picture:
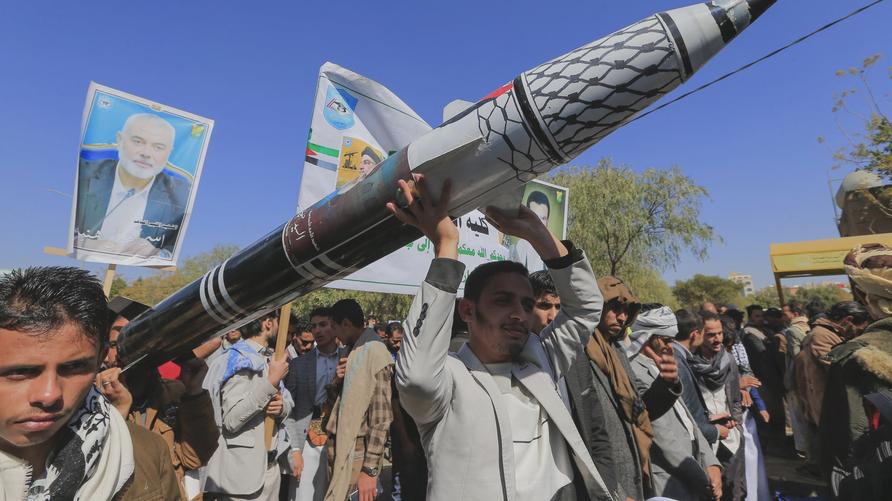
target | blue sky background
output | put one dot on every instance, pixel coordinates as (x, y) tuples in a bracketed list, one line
[(252, 68)]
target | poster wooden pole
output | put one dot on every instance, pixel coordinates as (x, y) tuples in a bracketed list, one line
[(109, 278), (281, 342)]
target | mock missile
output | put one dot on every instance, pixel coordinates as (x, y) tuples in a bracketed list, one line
[(543, 118)]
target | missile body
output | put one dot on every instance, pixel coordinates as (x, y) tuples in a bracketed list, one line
[(543, 118)]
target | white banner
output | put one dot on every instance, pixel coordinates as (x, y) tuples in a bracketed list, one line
[(356, 124)]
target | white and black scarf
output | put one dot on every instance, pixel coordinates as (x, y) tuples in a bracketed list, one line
[(96, 458)]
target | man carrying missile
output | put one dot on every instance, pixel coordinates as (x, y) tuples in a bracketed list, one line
[(492, 422)]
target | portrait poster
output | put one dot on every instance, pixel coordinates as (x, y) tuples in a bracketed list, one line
[(550, 202), (138, 171)]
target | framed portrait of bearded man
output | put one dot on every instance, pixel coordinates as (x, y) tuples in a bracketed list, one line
[(138, 169)]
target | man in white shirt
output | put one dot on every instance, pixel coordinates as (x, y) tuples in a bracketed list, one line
[(133, 205), (491, 420)]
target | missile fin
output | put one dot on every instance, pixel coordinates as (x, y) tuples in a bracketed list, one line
[(454, 108)]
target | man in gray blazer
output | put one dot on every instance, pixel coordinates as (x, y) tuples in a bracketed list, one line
[(491, 420), (307, 378), (246, 387), (683, 466)]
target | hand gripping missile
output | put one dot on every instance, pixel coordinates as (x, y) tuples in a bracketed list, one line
[(543, 118)]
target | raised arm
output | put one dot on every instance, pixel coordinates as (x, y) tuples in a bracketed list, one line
[(422, 378)]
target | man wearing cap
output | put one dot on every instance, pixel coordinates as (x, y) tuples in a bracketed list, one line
[(683, 464), (616, 388), (179, 410), (862, 365)]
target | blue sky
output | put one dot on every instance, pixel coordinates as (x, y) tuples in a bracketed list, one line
[(252, 67)]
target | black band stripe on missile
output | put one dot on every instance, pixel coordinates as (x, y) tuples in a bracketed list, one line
[(680, 45), (546, 141), (726, 25), (757, 61)]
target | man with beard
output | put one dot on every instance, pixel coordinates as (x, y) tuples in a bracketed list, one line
[(862, 365), (491, 418), (135, 204), (246, 387), (684, 466), (59, 438), (307, 381), (762, 351), (719, 382), (617, 389)]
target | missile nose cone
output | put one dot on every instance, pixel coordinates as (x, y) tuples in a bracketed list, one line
[(702, 30)]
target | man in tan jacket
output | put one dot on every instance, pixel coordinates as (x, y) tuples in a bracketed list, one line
[(845, 320)]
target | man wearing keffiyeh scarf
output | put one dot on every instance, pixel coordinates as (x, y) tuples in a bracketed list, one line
[(860, 366), (59, 438)]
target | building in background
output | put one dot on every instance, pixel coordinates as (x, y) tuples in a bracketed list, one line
[(745, 280)]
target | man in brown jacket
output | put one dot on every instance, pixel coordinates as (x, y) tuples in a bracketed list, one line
[(59, 438), (845, 320), (179, 410)]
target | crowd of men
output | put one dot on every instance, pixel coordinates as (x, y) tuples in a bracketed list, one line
[(552, 385)]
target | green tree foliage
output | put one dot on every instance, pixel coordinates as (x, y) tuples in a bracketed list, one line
[(152, 289), (118, 285), (699, 289), (766, 297), (826, 295), (872, 148), (384, 307), (626, 220)]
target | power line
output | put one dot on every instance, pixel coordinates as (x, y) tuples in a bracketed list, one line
[(757, 61)]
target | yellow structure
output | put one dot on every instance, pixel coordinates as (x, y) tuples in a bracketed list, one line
[(814, 258)]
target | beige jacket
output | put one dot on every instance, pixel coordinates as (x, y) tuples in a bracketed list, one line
[(811, 367)]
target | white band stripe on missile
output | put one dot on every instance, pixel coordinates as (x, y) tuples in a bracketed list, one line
[(204, 300), (522, 91), (225, 293), (327, 261), (315, 271), (215, 301)]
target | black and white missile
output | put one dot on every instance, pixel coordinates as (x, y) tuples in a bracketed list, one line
[(543, 118)]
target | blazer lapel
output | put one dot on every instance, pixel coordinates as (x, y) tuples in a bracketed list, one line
[(503, 423)]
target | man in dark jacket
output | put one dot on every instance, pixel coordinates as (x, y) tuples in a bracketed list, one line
[(585, 406), (860, 366), (687, 341)]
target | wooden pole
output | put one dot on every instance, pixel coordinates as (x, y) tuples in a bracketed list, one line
[(780, 290), (281, 342), (109, 278)]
